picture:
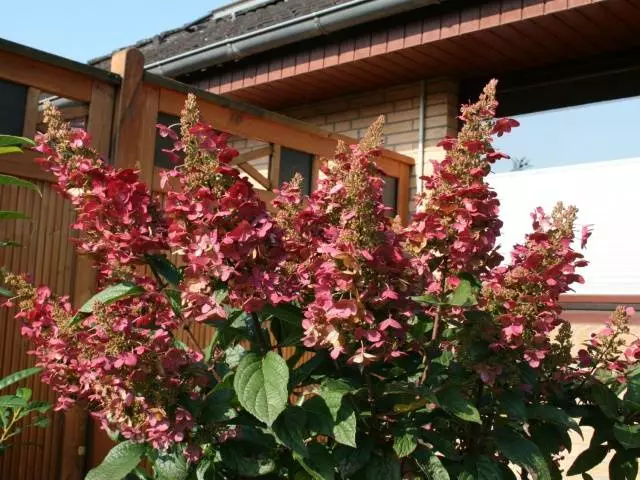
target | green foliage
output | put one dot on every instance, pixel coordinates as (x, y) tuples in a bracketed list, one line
[(108, 296), (120, 461), (261, 385), (18, 411), (13, 144)]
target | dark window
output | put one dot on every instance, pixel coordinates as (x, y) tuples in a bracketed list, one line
[(292, 162), (390, 193), (161, 159), (13, 98)]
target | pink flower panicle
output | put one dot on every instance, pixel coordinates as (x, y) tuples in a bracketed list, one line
[(221, 228), (351, 263), (524, 296), (117, 219), (121, 361), (456, 222), (611, 348)]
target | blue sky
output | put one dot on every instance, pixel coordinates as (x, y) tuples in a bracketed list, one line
[(589, 133), (82, 30)]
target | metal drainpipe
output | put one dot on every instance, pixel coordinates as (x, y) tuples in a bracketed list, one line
[(423, 100)]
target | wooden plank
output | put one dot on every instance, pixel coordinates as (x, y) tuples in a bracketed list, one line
[(31, 113), (70, 112), (274, 166), (100, 114), (22, 165), (252, 155), (315, 172), (402, 203), (136, 115), (48, 78), (252, 122), (256, 175)]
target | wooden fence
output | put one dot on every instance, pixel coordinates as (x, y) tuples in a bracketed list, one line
[(120, 110)]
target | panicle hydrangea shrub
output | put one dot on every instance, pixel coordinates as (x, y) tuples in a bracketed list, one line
[(339, 343)]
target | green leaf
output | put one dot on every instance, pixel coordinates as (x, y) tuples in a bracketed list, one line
[(164, 268), (41, 422), (428, 299), (119, 462), (175, 300), (15, 141), (452, 401), (18, 376), (350, 460), (301, 373), (319, 464), (18, 182), (319, 417), (171, 467), (623, 467), (290, 430), (286, 312), (8, 243), (5, 150), (463, 295), (13, 401), (405, 442), (513, 404), (246, 461), (10, 215), (588, 459), (551, 414), (385, 467), (111, 295), (522, 452), (487, 470), (633, 389), (344, 417), (430, 465), (261, 385), (217, 407), (606, 400), (203, 469), (627, 435), (25, 393), (446, 446), (286, 323)]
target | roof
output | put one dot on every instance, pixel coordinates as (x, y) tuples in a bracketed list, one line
[(220, 24)]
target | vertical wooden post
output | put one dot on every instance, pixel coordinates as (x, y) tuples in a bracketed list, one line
[(274, 167), (315, 171), (402, 200), (74, 446), (31, 113), (136, 115)]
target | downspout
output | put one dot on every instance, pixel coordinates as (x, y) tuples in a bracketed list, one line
[(315, 24), (423, 101)]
